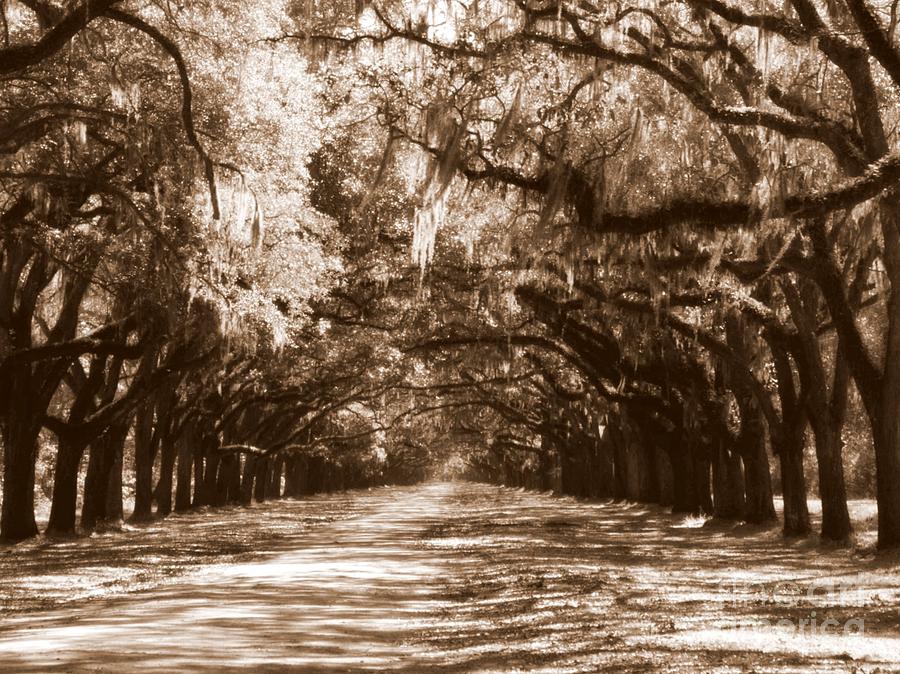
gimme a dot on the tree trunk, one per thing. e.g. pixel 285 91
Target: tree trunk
pixel 183 470
pixel 302 476
pixel 547 476
pixel 728 485
pixel 143 463
pixel 759 499
pixel 168 452
pixel 234 482
pixel 683 482
pixel 115 510
pixel 879 389
pixel 211 471
pixel 888 476
pixel 758 484
pixel 30 388
pixel 793 489
pixel 887 433
pixel 832 487
pixel 96 482
pixel 292 477
pixel 168 455
pixel 663 475
pixel 199 472
pixel 620 465
pixel 703 488
pixel 100 479
pixel 273 488
pixel 803 301
pixel 247 478
pixel 634 470
pixel 223 479
pixel 65 488
pixel 261 479
pixel 19 457
pixel 649 480
pixel 751 441
pixel 788 444
pixel 569 471
pixel 604 486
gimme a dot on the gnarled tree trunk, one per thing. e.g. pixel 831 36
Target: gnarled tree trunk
pixel 728 485
pixel 143 462
pixel 65 486
pixel 101 504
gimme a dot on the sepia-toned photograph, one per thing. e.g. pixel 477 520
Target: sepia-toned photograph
pixel 450 336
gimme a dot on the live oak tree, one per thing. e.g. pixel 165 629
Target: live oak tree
pixel 627 250
pixel 770 157
pixel 127 185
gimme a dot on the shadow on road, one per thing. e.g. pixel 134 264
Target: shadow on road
pixel 570 586
pixel 471 578
pixel 341 599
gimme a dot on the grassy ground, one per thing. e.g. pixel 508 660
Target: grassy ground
pixel 555 585
pixel 863 516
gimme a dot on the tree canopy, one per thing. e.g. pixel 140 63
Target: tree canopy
pixel 641 250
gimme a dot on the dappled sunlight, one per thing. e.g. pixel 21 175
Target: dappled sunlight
pixel 320 597
pixel 766 639
pixel 692 522
pixel 583 587
pixel 46 572
pixel 260 260
pixel 460 578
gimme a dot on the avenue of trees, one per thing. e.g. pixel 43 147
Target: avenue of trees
pixel 164 281
pixel 645 250
pixel 687 223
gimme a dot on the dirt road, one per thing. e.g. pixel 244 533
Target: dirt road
pixel 470 578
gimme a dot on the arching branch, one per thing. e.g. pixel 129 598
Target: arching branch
pixel 187 112
pixel 20 57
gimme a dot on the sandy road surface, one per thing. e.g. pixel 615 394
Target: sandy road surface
pixel 471 578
